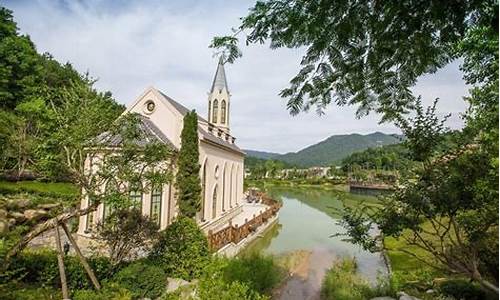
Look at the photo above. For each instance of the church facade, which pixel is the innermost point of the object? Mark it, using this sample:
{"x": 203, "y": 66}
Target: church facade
{"x": 221, "y": 160}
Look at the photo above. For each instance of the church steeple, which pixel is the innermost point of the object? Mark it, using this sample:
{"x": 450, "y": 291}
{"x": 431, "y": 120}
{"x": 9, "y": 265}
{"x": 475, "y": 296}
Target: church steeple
{"x": 218, "y": 99}
{"x": 220, "y": 81}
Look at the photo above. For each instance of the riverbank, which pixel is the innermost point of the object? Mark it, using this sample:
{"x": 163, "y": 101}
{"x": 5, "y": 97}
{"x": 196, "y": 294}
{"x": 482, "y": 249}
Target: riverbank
{"x": 305, "y": 237}
{"x": 339, "y": 185}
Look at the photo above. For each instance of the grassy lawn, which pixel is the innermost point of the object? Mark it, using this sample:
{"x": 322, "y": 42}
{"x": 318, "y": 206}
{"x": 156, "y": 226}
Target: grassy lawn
{"x": 36, "y": 187}
{"x": 401, "y": 261}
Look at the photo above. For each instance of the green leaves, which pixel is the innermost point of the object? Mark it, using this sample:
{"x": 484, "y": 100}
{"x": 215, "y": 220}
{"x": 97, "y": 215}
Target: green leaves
{"x": 188, "y": 174}
{"x": 424, "y": 132}
{"x": 364, "y": 53}
{"x": 228, "y": 44}
{"x": 182, "y": 249}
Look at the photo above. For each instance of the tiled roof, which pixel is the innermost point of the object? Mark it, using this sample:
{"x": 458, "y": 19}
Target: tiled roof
{"x": 150, "y": 134}
{"x": 179, "y": 107}
{"x": 212, "y": 138}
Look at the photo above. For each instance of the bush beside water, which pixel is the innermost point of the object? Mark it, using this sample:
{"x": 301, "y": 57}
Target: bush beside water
{"x": 259, "y": 273}
{"x": 342, "y": 282}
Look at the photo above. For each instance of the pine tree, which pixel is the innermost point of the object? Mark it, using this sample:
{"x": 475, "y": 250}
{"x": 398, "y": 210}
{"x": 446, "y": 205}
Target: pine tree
{"x": 188, "y": 173}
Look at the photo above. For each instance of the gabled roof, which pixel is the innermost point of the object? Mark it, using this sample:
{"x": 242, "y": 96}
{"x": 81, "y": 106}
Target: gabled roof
{"x": 179, "y": 107}
{"x": 220, "y": 81}
{"x": 150, "y": 134}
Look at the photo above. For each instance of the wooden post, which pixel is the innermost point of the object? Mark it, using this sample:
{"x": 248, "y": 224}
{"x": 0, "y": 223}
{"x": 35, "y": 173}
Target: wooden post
{"x": 86, "y": 266}
{"x": 60, "y": 263}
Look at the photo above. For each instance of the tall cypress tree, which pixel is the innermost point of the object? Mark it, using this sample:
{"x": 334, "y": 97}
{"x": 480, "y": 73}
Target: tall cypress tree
{"x": 188, "y": 174}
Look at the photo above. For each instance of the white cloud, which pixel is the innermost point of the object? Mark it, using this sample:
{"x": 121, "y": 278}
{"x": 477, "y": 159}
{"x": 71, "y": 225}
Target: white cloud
{"x": 132, "y": 45}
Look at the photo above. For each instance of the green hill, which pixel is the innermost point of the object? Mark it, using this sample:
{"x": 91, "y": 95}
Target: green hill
{"x": 261, "y": 154}
{"x": 332, "y": 150}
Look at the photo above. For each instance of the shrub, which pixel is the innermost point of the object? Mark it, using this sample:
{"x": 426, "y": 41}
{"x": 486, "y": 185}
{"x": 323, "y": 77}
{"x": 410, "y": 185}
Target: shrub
{"x": 126, "y": 233}
{"x": 213, "y": 286}
{"x": 462, "y": 289}
{"x": 40, "y": 268}
{"x": 142, "y": 280}
{"x": 14, "y": 291}
{"x": 342, "y": 283}
{"x": 259, "y": 273}
{"x": 182, "y": 249}
{"x": 108, "y": 292}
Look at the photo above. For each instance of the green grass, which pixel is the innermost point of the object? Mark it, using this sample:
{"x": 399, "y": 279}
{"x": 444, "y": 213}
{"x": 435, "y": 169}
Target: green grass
{"x": 401, "y": 261}
{"x": 342, "y": 282}
{"x": 409, "y": 273}
{"x": 42, "y": 188}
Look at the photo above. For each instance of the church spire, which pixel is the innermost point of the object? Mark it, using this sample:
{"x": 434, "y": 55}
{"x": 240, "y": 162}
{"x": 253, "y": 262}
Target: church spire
{"x": 220, "y": 81}
{"x": 218, "y": 99}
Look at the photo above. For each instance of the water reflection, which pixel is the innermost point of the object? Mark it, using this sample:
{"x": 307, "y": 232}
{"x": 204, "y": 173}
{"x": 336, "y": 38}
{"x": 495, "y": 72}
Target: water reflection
{"x": 307, "y": 221}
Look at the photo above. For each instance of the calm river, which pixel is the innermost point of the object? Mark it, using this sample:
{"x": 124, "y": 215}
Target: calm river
{"x": 307, "y": 221}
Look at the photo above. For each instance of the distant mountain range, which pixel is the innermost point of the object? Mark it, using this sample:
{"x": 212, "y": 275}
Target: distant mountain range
{"x": 261, "y": 154}
{"x": 330, "y": 151}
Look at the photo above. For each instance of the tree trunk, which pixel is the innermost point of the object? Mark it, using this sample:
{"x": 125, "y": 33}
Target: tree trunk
{"x": 87, "y": 267}
{"x": 60, "y": 263}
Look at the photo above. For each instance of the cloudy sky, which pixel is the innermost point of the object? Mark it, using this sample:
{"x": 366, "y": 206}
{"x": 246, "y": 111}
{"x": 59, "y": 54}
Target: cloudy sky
{"x": 130, "y": 45}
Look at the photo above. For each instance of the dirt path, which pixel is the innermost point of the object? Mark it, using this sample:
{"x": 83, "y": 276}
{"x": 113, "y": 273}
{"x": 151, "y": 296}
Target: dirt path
{"x": 306, "y": 277}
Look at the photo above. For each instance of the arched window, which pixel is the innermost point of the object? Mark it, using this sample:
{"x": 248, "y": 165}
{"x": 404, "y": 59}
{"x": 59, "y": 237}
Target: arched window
{"x": 224, "y": 188}
{"x": 231, "y": 182}
{"x": 111, "y": 191}
{"x": 209, "y": 110}
{"x": 237, "y": 184}
{"x": 135, "y": 195}
{"x": 90, "y": 217}
{"x": 155, "y": 213}
{"x": 203, "y": 190}
{"x": 214, "y": 203}
{"x": 223, "y": 112}
{"x": 215, "y": 110}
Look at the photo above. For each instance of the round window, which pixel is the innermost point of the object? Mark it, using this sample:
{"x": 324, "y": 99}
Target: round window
{"x": 149, "y": 107}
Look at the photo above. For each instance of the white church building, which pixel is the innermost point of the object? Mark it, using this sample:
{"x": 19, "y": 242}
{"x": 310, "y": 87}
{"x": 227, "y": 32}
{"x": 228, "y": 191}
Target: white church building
{"x": 221, "y": 160}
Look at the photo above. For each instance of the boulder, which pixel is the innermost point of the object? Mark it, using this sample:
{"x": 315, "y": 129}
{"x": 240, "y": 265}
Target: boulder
{"x": 4, "y": 226}
{"x": 18, "y": 204}
{"x": 3, "y": 214}
{"x": 405, "y": 296}
{"x": 12, "y": 221}
{"x": 19, "y": 217}
{"x": 48, "y": 206}
{"x": 22, "y": 203}
{"x": 34, "y": 214}
{"x": 173, "y": 284}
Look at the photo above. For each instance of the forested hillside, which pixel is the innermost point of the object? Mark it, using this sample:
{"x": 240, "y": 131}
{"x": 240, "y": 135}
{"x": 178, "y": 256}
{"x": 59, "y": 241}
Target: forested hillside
{"x": 261, "y": 154}
{"x": 388, "y": 157}
{"x": 45, "y": 107}
{"x": 332, "y": 150}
